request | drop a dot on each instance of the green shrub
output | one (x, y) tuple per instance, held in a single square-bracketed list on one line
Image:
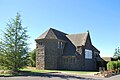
[(3, 68), (113, 65), (110, 65), (119, 64)]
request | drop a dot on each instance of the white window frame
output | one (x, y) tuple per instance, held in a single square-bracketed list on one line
[(88, 54)]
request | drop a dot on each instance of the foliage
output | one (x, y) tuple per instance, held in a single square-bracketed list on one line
[(32, 58), (113, 65), (118, 64), (2, 67), (117, 53), (13, 45), (110, 66)]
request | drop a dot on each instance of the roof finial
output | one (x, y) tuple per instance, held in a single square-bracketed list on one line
[(88, 31)]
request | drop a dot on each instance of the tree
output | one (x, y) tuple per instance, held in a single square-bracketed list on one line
[(117, 53), (13, 45), (32, 58)]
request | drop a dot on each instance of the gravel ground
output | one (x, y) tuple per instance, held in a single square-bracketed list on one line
[(59, 76)]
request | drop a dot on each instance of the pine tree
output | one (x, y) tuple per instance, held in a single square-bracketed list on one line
[(13, 45)]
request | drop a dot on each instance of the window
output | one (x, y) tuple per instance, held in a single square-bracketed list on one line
[(58, 44), (88, 54), (96, 54), (61, 45)]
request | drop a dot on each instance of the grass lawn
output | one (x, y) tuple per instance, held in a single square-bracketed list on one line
[(59, 71), (6, 75), (34, 72)]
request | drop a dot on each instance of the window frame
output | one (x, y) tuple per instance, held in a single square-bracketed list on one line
[(88, 54)]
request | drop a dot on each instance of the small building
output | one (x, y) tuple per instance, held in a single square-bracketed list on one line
[(58, 50)]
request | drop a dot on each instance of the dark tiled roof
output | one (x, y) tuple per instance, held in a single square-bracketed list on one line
[(60, 35), (69, 49), (72, 40), (78, 39), (95, 49), (57, 34), (43, 35)]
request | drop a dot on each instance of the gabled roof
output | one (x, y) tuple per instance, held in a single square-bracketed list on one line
[(60, 35), (52, 34), (43, 35), (95, 49), (71, 40), (78, 39)]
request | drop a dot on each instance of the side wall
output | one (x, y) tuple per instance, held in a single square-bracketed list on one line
[(40, 54), (53, 54), (89, 64)]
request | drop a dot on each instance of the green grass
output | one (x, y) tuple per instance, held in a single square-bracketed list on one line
[(6, 74), (34, 72), (60, 71)]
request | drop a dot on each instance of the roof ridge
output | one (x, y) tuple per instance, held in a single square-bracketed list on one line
[(78, 39), (43, 35), (57, 30), (78, 33), (47, 32), (52, 31)]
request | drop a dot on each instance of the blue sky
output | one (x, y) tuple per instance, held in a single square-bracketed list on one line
[(100, 17)]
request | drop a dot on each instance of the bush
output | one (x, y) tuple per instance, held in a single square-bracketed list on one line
[(110, 65), (119, 65), (113, 65), (3, 68)]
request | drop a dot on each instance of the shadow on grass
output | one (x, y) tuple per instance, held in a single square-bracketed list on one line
[(48, 75)]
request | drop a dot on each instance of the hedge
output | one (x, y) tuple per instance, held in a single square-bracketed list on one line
[(113, 65)]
